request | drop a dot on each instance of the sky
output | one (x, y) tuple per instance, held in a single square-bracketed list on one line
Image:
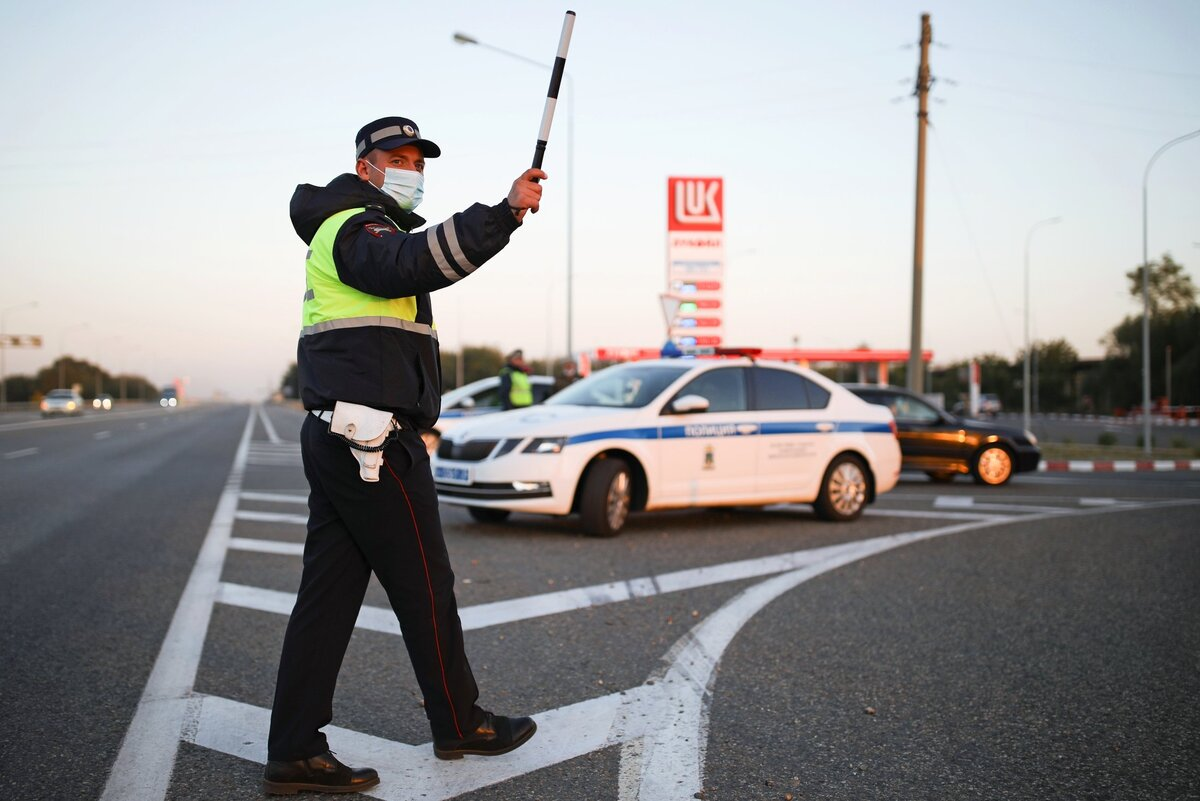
[(148, 152)]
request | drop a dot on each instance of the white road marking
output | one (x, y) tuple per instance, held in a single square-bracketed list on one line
[(925, 515), (267, 426), (267, 546), (274, 497), (265, 454), (661, 724), (102, 434), (21, 454), (142, 771), (1098, 501), (272, 517), (878, 511), (968, 502)]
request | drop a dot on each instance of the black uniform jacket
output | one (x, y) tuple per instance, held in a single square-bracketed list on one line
[(388, 368)]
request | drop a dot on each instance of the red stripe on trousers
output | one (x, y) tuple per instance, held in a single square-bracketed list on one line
[(432, 606)]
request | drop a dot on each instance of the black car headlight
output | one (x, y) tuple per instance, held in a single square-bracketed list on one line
[(545, 445)]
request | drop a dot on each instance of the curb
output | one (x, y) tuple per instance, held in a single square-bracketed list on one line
[(1117, 466)]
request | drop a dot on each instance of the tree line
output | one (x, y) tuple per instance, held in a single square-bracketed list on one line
[(91, 380)]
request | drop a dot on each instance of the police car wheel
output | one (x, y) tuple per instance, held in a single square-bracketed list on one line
[(843, 490), (993, 466), (485, 515), (606, 499)]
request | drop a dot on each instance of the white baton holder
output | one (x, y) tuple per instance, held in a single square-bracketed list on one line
[(367, 428)]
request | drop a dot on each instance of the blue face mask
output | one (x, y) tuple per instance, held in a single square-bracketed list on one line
[(406, 187)]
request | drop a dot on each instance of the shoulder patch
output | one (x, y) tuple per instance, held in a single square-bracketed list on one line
[(379, 229)]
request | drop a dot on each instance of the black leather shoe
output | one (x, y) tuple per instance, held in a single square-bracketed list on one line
[(496, 735), (322, 773)]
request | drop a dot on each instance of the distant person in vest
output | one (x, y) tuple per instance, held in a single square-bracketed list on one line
[(515, 390), (369, 376)]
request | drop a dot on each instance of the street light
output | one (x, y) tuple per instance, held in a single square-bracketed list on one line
[(462, 38), (4, 349), (1026, 383), (1146, 290)]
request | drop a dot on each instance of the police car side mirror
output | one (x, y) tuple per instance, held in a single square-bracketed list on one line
[(467, 403), (689, 404)]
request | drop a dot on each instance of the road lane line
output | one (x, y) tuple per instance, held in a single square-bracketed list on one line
[(514, 610), (274, 497), (661, 724), (267, 426), (571, 731), (102, 434), (968, 502), (271, 517), (142, 770), (21, 454), (266, 546), (930, 515)]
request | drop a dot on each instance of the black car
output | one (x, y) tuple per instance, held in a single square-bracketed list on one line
[(944, 445)]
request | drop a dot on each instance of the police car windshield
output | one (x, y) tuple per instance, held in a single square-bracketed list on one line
[(625, 386)]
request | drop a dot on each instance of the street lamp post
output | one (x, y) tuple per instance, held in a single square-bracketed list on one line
[(4, 349), (1025, 384), (463, 38), (1146, 289)]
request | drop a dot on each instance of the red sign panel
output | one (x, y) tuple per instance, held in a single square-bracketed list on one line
[(695, 204)]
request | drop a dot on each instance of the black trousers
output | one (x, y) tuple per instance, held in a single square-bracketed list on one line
[(392, 528)]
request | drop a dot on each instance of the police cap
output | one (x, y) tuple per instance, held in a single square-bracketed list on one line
[(390, 133)]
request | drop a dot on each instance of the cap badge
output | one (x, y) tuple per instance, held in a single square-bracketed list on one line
[(409, 130)]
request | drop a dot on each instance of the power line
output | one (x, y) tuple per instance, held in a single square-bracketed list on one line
[(1030, 56), (970, 235), (1068, 99)]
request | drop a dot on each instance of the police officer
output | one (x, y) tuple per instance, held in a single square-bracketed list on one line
[(516, 392), (370, 378)]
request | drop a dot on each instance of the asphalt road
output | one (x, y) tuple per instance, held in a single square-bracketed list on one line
[(1039, 640)]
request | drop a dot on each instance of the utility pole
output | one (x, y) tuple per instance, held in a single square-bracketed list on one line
[(916, 367)]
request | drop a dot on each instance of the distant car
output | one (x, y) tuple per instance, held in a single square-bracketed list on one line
[(102, 403), (475, 399), (674, 433), (62, 401), (944, 445), (989, 403), (169, 398)]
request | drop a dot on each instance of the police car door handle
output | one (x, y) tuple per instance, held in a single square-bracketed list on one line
[(825, 428)]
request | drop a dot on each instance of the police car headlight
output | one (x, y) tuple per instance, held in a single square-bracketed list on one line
[(545, 445)]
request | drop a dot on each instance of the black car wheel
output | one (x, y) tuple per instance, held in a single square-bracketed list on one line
[(993, 465), (486, 515), (843, 490), (606, 499)]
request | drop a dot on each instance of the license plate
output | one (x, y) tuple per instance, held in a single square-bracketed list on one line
[(452, 475)]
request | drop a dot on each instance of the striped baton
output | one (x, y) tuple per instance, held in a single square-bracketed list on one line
[(560, 64)]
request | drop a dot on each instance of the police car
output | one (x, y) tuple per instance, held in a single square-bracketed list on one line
[(483, 397), (674, 433)]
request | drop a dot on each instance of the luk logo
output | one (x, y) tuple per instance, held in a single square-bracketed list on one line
[(695, 204)]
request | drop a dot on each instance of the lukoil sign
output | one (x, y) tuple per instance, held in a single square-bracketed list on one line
[(695, 204)]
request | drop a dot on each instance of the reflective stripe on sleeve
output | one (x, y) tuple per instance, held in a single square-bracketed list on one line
[(435, 247), (309, 295), (455, 250), (366, 322)]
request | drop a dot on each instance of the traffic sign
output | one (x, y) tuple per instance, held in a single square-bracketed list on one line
[(20, 341)]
